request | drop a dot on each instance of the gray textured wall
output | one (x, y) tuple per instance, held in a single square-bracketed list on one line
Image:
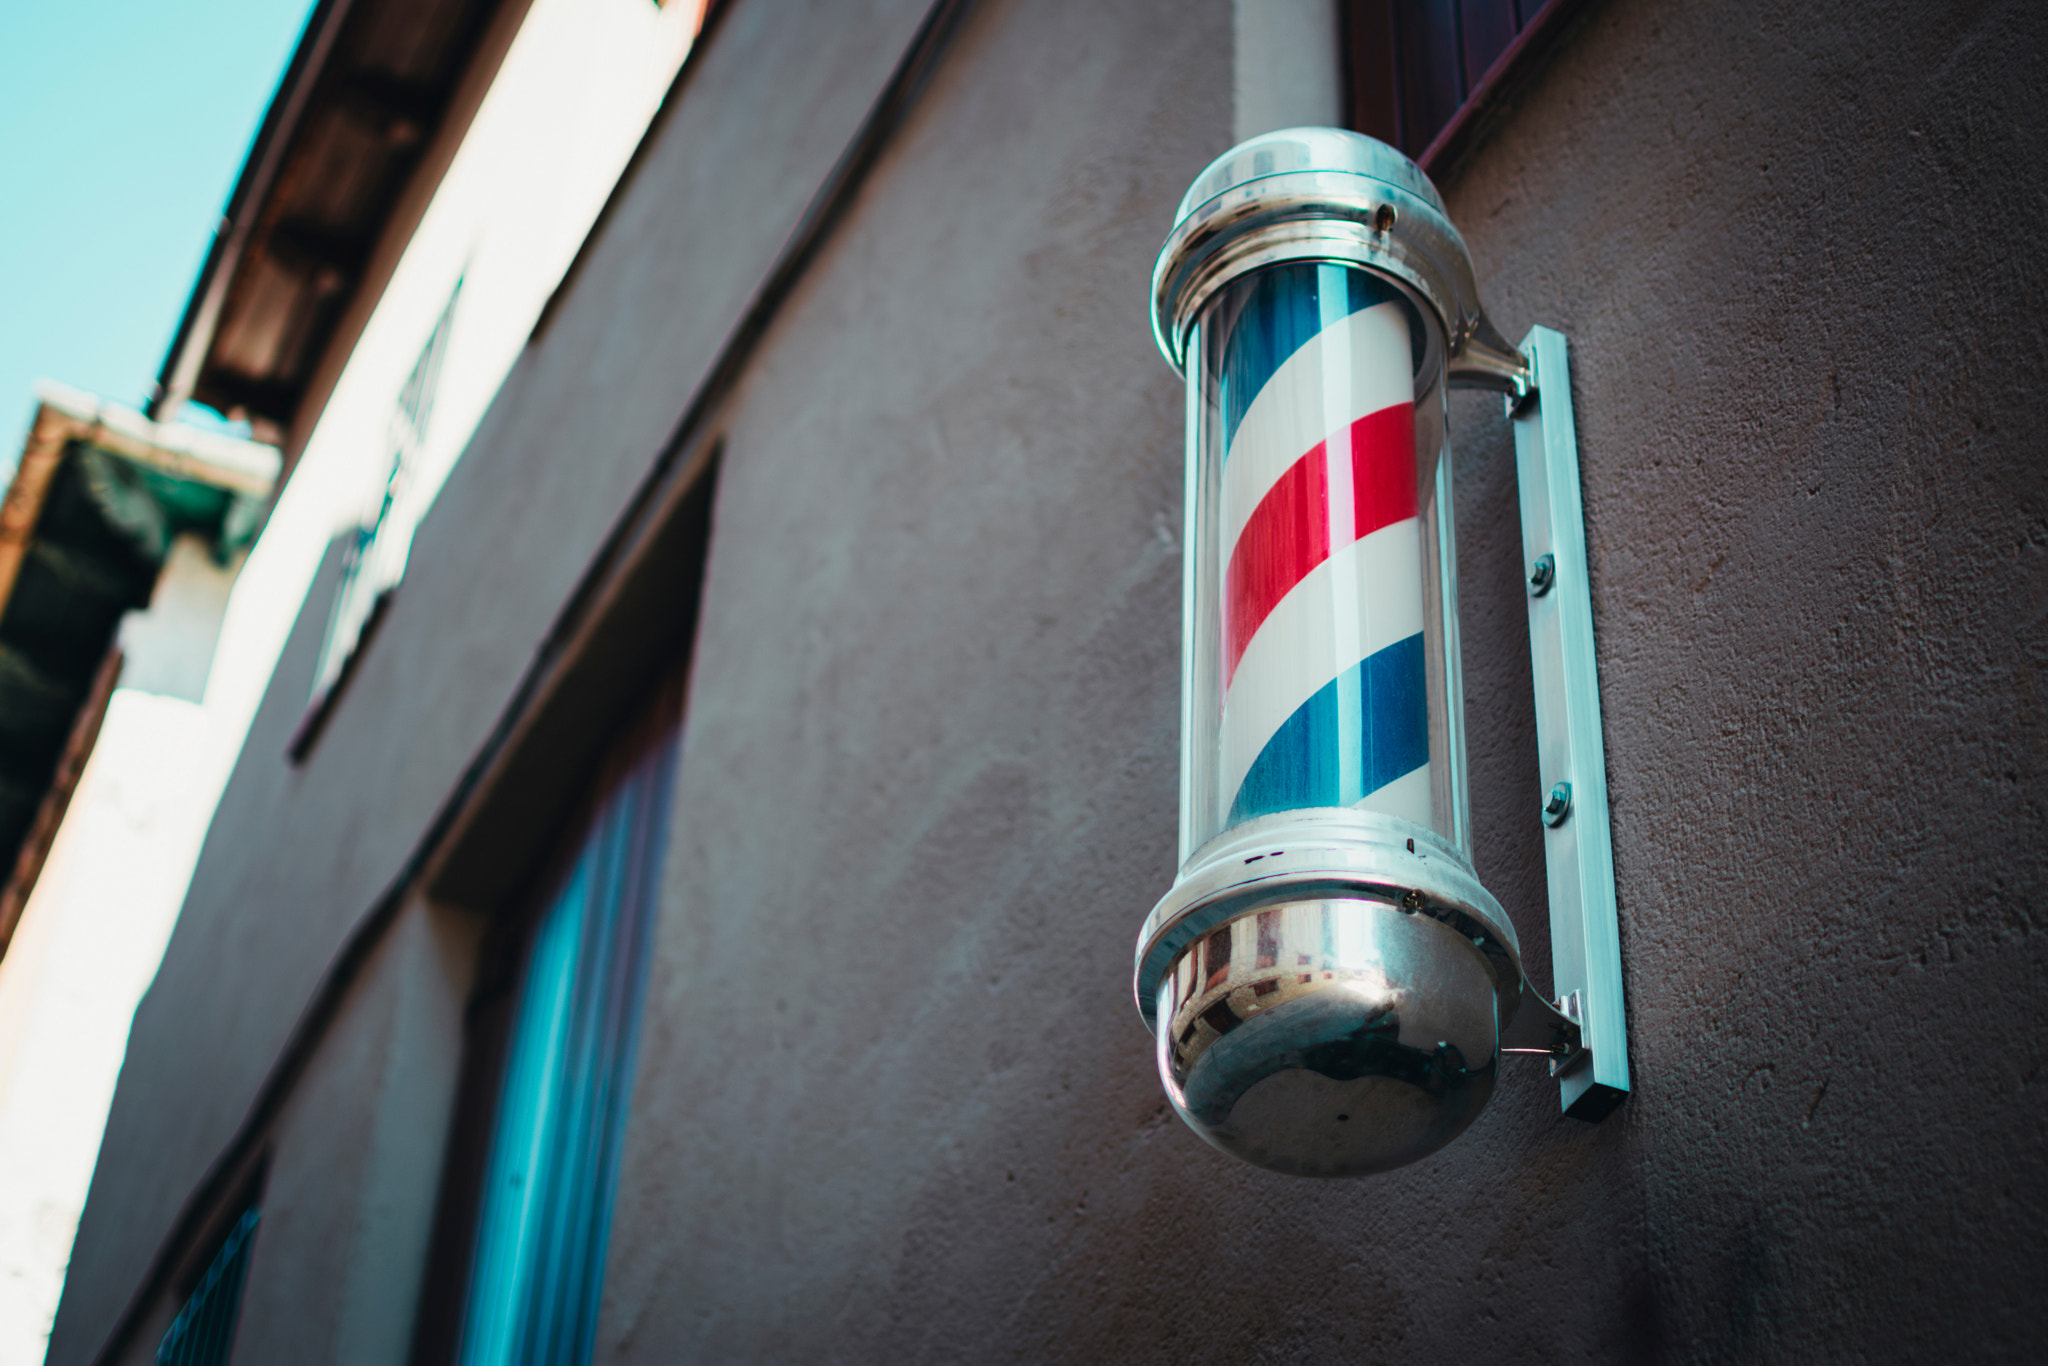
[(349, 1196), (893, 1101)]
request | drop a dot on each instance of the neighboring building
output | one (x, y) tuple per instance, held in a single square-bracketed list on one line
[(694, 919), (120, 539)]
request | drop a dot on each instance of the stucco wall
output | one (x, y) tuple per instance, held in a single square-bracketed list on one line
[(893, 1101), (1794, 247), (349, 1197)]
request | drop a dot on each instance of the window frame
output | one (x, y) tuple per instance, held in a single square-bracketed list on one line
[(633, 662), (1477, 54)]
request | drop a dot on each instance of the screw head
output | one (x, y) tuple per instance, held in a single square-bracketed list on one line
[(1542, 574), (1556, 803)]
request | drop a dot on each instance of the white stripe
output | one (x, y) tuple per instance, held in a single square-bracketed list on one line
[(1407, 797), (1357, 365), (1356, 603)]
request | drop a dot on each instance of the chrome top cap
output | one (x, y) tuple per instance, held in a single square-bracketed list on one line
[(1306, 149), (1324, 194)]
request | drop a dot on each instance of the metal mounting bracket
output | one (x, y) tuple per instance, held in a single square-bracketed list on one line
[(1578, 849)]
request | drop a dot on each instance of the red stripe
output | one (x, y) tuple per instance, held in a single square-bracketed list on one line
[(1294, 527)]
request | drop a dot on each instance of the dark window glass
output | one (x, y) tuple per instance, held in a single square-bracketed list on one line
[(1485, 28), (1415, 65), (205, 1328)]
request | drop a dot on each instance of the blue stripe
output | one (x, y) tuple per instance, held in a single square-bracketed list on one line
[(1367, 727), (1274, 314)]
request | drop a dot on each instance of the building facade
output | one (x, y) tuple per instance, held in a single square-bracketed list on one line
[(700, 924), (415, 155)]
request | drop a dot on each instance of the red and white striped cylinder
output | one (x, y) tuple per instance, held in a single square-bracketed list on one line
[(1327, 978), (1319, 618)]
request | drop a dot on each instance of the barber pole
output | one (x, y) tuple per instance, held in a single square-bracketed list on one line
[(1317, 669), (1327, 979), (1324, 681)]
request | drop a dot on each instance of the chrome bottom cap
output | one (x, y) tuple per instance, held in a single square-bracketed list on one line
[(1334, 1037)]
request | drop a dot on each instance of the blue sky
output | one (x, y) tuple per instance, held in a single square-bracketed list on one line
[(123, 124)]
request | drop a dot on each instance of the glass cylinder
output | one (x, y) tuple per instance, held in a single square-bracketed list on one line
[(1321, 598)]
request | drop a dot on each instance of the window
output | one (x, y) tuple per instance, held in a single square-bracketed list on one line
[(559, 851), (204, 1330), (1423, 71), (544, 1208), (377, 554)]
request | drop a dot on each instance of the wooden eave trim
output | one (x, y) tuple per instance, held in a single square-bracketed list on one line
[(29, 489), (42, 834)]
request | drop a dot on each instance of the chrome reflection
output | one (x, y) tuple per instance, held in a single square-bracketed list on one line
[(1334, 1037)]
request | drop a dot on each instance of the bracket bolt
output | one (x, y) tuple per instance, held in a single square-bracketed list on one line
[(1557, 803), (1542, 574)]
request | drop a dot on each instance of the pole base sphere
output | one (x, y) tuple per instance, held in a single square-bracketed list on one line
[(1332, 1037)]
